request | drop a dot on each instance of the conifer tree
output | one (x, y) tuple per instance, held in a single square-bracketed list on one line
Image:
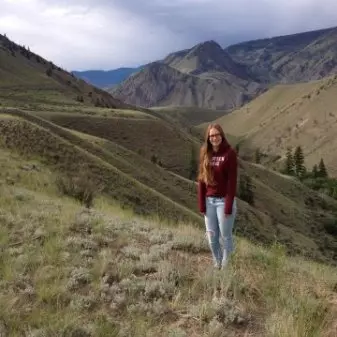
[(299, 162), (257, 156), (322, 172), (289, 164)]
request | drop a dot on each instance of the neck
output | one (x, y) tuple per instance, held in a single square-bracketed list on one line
[(216, 148)]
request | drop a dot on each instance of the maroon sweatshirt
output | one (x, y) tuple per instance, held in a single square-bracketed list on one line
[(224, 166)]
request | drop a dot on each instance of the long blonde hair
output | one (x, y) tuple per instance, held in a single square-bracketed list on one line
[(205, 172)]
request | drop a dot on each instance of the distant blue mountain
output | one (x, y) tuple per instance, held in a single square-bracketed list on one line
[(106, 79)]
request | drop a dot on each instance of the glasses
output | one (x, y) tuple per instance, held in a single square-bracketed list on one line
[(214, 135)]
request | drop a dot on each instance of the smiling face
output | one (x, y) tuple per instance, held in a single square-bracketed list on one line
[(214, 137)]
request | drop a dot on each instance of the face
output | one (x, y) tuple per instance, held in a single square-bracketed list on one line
[(214, 137)]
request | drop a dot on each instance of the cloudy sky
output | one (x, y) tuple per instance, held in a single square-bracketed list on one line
[(106, 34)]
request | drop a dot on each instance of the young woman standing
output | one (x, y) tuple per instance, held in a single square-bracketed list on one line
[(216, 192)]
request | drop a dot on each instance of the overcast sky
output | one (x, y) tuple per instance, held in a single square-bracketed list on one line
[(107, 34)]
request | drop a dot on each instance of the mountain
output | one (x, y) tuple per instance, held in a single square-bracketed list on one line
[(204, 58), (228, 78), (159, 84), (204, 76), (67, 270), (292, 58), (104, 79), (28, 78), (291, 115)]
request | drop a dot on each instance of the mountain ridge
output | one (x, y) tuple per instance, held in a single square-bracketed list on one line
[(250, 67)]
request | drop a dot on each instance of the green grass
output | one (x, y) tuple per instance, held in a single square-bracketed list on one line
[(69, 271)]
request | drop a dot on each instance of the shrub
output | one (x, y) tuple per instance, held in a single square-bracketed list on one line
[(331, 227), (81, 188)]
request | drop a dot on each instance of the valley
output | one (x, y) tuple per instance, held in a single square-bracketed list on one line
[(101, 235)]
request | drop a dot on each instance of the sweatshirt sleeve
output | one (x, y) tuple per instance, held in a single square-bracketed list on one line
[(202, 197), (232, 181)]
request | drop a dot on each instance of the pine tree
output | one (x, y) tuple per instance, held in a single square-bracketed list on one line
[(289, 164), (322, 172), (299, 162), (334, 193), (193, 164), (257, 156)]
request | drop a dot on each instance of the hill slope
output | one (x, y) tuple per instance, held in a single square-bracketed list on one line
[(295, 215), (69, 271), (288, 116), (26, 79), (291, 58)]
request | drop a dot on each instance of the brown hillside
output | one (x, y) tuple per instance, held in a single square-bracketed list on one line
[(283, 210), (28, 79), (149, 136), (288, 116)]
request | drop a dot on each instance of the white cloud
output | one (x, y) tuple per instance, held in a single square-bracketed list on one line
[(105, 34), (78, 37)]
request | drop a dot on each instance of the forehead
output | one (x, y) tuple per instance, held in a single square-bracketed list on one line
[(212, 131)]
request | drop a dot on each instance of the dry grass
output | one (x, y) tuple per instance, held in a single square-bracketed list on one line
[(134, 135), (283, 211), (67, 271), (69, 157), (288, 116), (25, 83)]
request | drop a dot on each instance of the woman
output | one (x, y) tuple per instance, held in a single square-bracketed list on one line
[(216, 192)]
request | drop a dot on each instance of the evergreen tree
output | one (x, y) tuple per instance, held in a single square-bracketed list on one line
[(322, 172), (315, 171), (289, 164), (299, 162), (193, 164), (334, 193), (257, 156)]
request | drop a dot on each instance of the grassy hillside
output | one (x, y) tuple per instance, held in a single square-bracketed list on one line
[(188, 117), (73, 156), (288, 116), (305, 227), (27, 80), (70, 271), (148, 136)]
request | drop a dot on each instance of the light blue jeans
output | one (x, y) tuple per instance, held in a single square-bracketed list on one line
[(218, 226)]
